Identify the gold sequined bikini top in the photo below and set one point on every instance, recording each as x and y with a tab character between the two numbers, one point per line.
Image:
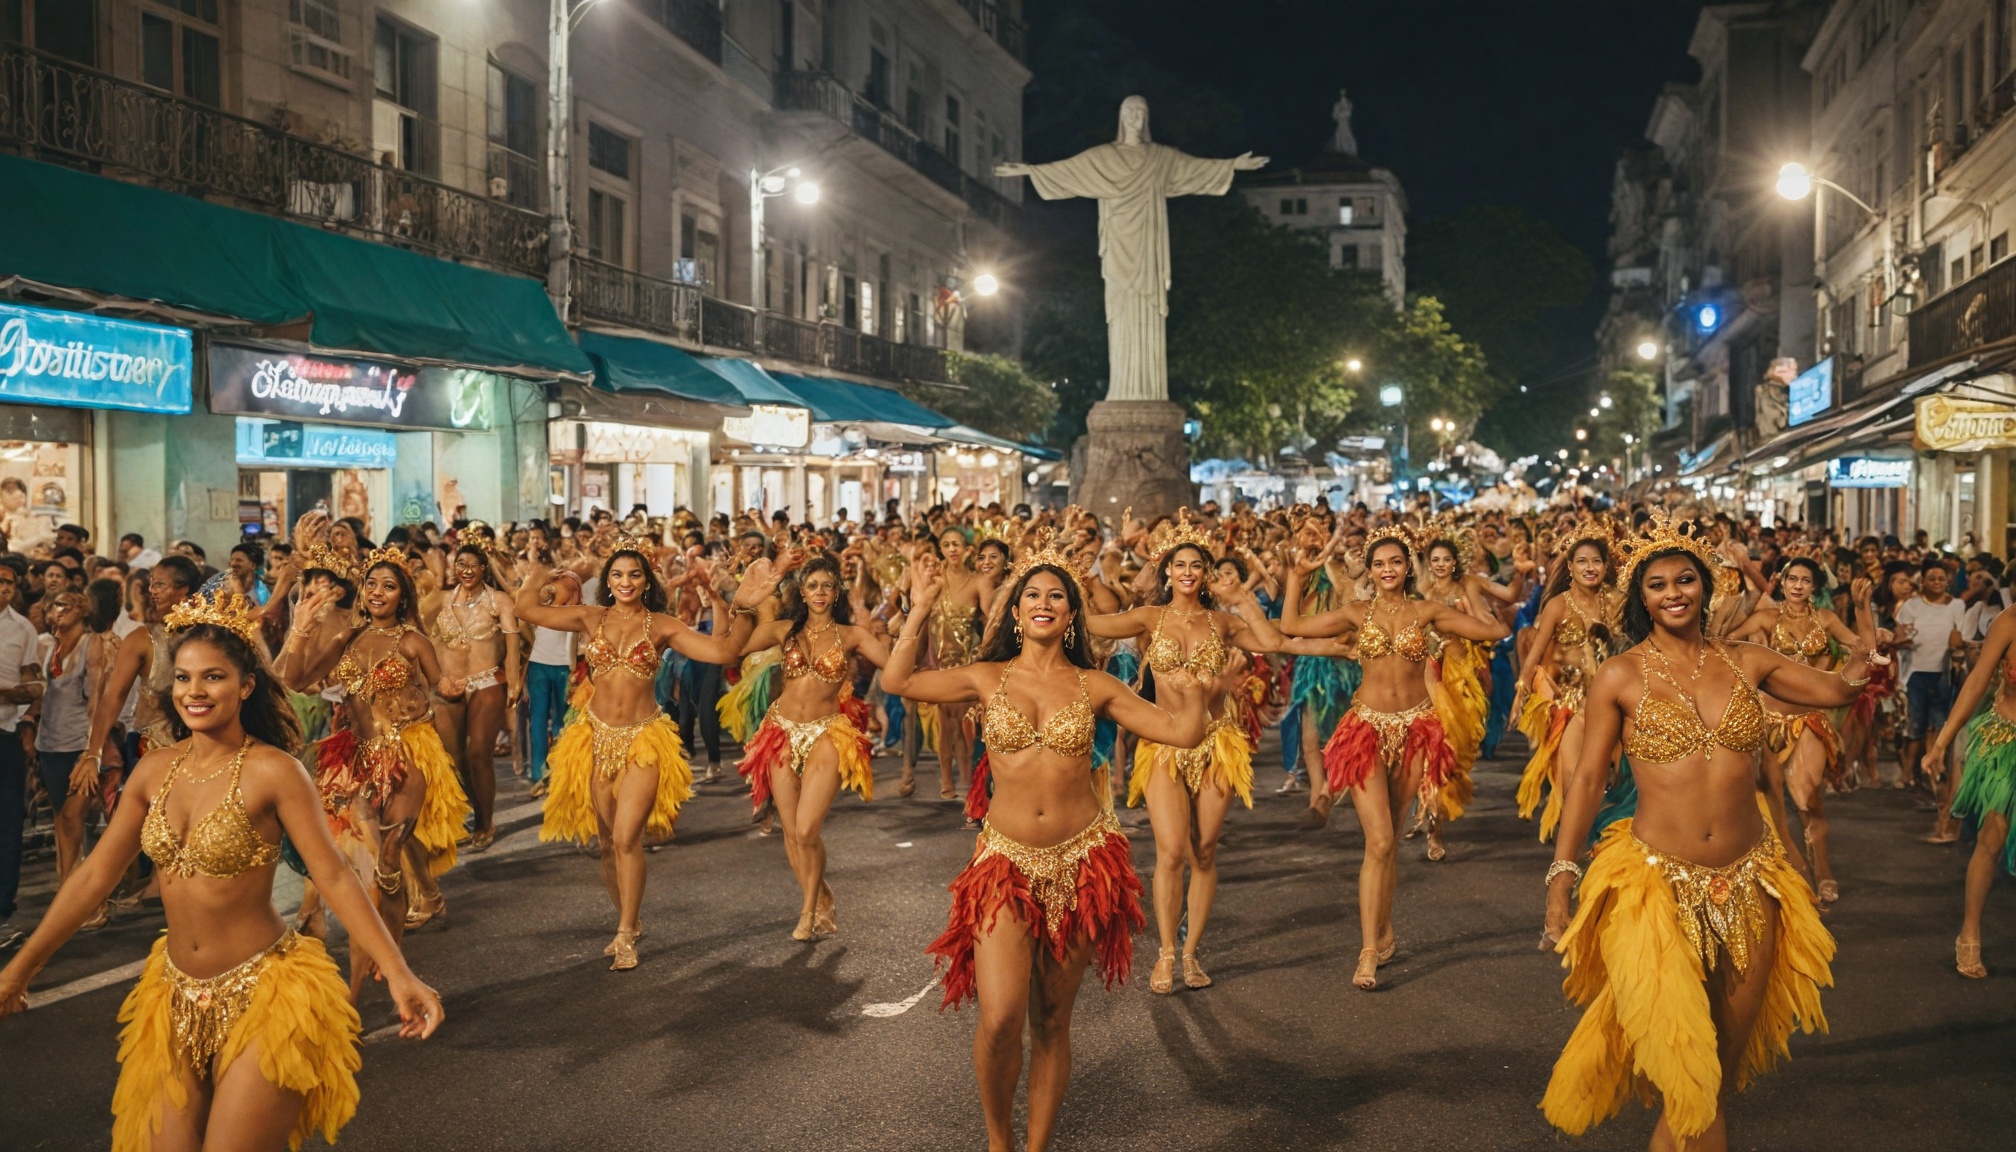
1667	730
390	674
1410	644
1068	732
831	665
1165	653
221	844
1808	647
1573	630
640	660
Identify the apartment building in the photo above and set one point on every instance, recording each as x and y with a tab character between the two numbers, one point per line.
1354	208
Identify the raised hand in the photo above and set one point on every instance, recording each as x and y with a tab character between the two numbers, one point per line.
1247	162
927	580
758	582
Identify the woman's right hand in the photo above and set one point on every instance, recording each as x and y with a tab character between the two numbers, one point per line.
420	1011
1560	909
310	528
927	580
13	992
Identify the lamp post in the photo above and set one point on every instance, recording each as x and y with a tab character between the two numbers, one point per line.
1395	396
762	186
1796	183
563	17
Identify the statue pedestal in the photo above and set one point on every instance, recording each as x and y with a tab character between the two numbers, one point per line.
1135	456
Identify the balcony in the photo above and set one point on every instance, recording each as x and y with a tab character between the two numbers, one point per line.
819	92
1972	314
697	22
613	295
995	21
53	110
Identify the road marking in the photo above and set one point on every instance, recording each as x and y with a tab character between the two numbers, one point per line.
884	1011
905	844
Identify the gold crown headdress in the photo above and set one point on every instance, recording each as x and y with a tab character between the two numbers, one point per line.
1043	550
319	556
1394	533
391	554
231	611
1447	527
1177	533
1662	534
643	546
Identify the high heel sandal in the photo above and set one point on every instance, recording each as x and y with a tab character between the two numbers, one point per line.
625	953
823	923
634	936
1967	958
1193	973
1392	947
1367	975
1162	980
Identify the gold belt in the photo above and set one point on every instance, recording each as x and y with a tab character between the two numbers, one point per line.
610	744
1192	763
803	736
1052	871
201	1013
1724	904
1392	727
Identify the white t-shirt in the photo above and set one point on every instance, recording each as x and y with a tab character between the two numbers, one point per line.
19	648
552	646
123	627
1935	624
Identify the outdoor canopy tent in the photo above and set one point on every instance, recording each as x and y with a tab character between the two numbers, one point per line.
73	230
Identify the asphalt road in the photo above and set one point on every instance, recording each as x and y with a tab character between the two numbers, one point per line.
731	1035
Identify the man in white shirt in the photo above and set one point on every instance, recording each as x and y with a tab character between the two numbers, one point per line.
134	551
546	679
20	684
1933	625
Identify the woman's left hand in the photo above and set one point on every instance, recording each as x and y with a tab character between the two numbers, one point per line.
420	1011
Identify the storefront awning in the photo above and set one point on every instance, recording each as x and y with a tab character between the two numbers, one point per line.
963	434
72	230
623	364
749	379
843	401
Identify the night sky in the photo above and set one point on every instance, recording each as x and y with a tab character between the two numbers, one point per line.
1485	101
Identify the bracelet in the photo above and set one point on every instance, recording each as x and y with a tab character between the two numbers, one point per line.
92	757
1560	866
1842	672
906	640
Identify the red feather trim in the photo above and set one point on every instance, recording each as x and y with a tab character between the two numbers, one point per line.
977	800
1351	753
1108	913
1428	745
767	749
854	708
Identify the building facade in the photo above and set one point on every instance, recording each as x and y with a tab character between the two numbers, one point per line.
1354	208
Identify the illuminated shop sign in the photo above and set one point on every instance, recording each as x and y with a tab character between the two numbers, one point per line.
1868	472
773	425
1811	392
300	386
80	361
292	444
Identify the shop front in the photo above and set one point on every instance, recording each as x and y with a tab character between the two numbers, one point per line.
61	375
1963	483
761	467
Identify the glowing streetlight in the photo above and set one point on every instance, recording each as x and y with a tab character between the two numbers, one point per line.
1391	395
1593	413
1648	350
1435	424
1581	433
1604	400
985	284
1563	453
807	193
1354	365
1794	182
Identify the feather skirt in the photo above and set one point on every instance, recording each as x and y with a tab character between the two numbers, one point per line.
570	807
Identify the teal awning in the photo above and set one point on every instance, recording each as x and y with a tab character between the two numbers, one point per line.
964	434
74	230
623	364
755	385
836	401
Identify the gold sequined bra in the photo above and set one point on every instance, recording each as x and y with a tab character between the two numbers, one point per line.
221	844
640	659
390	674
829	666
1667	730
1068	732
1165	653
1808	647
1410	643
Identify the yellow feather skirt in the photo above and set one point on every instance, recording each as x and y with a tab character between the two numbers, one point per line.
1543	721
444	813
744	705
1456	688
655	747
1223	761
1646	1026
299	1022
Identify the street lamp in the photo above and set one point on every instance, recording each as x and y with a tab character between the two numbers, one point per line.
1354	364
1796	183
762	186
985	284
1648	350
1604	400
562	18
1392	395
1581	433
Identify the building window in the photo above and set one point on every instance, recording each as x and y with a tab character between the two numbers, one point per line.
787	35
1976	260
1959	271
513	131
913	111
606	212
315	40
952	144
62	28
1998	248
608	151
850	301
404	79
1344	211
1347	256
181	49
698	246
1294	207
913	318
877	90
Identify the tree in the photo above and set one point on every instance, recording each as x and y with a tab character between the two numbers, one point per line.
992	393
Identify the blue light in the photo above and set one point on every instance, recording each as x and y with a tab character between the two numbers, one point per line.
1708	317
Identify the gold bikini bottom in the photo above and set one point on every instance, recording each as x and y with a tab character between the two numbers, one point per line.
609	744
1721	905
1052	871
1392	727
203	1011
803	736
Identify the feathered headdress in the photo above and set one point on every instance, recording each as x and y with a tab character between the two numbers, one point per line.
230	611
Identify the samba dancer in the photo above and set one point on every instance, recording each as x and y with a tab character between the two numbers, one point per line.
477	637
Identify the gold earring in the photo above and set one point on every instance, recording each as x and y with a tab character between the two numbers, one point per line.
1071	634
1018	629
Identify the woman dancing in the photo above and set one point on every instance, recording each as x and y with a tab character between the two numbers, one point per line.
1393	744
386	781
956	617
477	634
1574	634
1459	672
227	979
1189	624
1804	742
619	772
1697	947
1985	796
1050	886
810	746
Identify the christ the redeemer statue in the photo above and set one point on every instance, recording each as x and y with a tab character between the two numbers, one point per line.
1132	178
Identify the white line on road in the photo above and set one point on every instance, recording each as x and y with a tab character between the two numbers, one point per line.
884	1011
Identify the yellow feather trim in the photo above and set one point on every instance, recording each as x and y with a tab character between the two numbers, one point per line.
444	812
741	708
570	806
1544	724
1229	768
1456	689
300	1024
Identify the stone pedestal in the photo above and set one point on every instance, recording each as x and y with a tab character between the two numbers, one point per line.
1135	456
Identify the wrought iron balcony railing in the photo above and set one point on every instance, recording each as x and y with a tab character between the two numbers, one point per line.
53	109
697	22
819	92
1970	314
613	295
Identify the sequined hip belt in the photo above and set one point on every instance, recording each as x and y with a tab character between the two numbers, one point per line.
1720	905
202	1012
1052	872
803	736
609	744
477	681
1392	727
1192	763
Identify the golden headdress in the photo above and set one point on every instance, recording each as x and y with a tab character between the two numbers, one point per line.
1040	550
1663	534
319	556
231	611
1177	533
1446	527
1602	530
1394	533
391	554
643	546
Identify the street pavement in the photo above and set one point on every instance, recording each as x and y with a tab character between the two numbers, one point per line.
732	1036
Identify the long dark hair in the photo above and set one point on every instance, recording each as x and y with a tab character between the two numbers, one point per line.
1003	643
1559	580
409	596
266	714
654	592
1164	593
1637	620
798	613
